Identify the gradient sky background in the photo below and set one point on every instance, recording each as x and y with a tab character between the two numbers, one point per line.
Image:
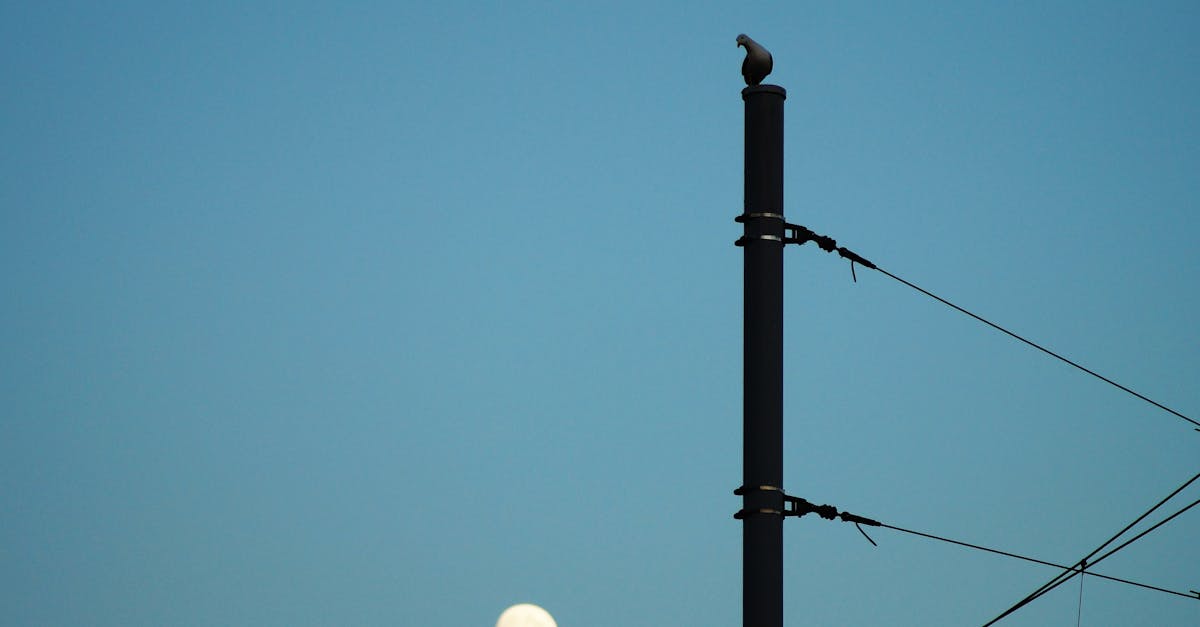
402	313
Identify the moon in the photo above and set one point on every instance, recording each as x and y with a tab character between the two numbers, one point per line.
526	615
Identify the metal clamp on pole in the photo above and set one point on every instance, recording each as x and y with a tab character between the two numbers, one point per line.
796	506
743	240
771	492
759	215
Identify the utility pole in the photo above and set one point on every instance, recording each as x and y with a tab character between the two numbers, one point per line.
762	404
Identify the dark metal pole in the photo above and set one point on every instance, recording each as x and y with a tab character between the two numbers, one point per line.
762	404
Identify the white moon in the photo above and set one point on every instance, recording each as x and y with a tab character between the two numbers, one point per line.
526	615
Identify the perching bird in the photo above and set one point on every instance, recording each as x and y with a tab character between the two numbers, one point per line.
758	61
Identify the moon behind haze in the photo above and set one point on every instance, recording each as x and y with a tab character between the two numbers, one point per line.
525	615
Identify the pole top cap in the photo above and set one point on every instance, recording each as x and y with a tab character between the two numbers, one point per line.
763	89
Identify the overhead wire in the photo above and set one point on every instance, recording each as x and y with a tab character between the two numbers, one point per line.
1037	561
1087	561
800	235
799	507
1061	579
1039	347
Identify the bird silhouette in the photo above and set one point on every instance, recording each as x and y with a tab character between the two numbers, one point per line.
758	61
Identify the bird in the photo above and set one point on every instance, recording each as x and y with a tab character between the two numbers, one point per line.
758	61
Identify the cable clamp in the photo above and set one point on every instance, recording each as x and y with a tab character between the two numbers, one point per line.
801	235
797	234
796	506
829	512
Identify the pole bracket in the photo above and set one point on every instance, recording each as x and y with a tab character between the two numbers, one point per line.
800	235
762	511
757	215
792	505
796	506
743	240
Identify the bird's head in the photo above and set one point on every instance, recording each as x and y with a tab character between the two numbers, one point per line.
742	40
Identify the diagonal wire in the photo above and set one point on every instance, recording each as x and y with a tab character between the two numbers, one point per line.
802	507
1061	579
800	235
1038	346
1036	561
1085	563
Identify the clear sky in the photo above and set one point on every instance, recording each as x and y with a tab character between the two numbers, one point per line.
402	313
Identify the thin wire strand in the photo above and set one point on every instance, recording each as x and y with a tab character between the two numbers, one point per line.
1038	346
1036	561
1079	609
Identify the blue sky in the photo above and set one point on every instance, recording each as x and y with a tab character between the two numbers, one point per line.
403	313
